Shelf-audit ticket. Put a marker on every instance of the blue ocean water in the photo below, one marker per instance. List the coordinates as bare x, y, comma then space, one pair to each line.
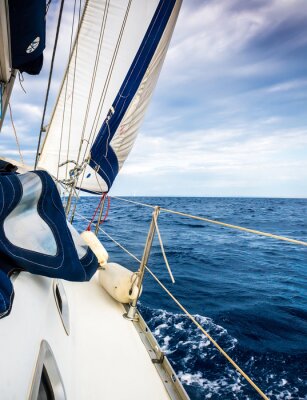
248, 291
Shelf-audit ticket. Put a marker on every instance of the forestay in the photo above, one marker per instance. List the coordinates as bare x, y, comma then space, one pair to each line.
113, 69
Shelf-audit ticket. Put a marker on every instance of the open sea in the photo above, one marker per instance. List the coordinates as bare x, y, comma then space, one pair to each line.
249, 292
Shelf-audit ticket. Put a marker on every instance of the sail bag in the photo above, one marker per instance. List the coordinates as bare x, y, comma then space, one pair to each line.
28, 34
35, 236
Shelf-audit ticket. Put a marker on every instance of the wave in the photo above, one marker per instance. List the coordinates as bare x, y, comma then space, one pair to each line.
205, 373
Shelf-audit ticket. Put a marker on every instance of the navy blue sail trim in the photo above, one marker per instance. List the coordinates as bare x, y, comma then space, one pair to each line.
102, 154
64, 264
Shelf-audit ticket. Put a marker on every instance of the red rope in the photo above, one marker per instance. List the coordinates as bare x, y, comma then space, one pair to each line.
107, 212
95, 212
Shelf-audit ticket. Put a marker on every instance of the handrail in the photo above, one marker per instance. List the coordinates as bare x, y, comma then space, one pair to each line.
197, 324
224, 224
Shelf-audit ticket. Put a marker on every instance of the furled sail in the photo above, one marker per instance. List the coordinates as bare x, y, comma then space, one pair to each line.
22, 42
27, 34
112, 71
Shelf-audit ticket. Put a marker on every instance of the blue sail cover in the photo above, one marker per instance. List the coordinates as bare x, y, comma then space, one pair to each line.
34, 234
28, 31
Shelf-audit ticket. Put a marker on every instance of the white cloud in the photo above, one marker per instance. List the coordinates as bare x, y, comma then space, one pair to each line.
213, 77
28, 111
235, 161
286, 86
212, 150
213, 39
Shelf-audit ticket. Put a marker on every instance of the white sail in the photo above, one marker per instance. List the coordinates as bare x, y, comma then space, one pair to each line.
115, 63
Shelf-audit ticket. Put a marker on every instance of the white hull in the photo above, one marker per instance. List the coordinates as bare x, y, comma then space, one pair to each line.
103, 356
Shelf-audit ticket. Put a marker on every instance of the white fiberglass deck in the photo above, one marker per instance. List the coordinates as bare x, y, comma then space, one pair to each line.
102, 358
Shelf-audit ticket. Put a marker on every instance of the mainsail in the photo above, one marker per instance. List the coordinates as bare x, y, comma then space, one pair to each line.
112, 71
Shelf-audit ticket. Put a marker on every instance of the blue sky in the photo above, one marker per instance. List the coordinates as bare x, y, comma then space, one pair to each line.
229, 114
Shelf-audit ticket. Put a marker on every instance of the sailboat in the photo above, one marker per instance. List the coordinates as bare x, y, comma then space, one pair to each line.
70, 326
66, 328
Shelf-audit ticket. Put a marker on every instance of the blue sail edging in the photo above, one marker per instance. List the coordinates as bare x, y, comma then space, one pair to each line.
103, 157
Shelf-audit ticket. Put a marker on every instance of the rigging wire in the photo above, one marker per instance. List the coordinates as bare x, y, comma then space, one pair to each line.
99, 47
15, 133
108, 79
73, 92
101, 36
64, 78
65, 94
49, 82
103, 94
224, 224
186, 312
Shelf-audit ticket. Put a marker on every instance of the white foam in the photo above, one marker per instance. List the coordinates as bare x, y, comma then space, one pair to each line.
179, 326
166, 341
193, 348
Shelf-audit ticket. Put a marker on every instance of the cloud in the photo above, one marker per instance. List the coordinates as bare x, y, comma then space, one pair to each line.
289, 85
214, 163
28, 111
219, 151
229, 113
217, 39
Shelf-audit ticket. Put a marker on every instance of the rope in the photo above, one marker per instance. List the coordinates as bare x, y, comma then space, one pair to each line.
16, 137
89, 100
108, 79
21, 80
104, 90
104, 195
101, 36
95, 212
162, 249
73, 91
134, 202
49, 82
65, 94
223, 352
224, 224
107, 212
64, 78
110, 237
190, 316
